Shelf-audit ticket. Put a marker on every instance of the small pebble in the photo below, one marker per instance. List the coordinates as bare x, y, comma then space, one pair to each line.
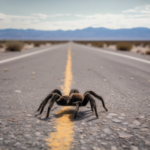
5, 69
95, 148
17, 91
107, 131
134, 148
141, 116
123, 115
121, 118
125, 123
82, 142
116, 120
124, 135
144, 129
113, 148
112, 114
136, 122
37, 133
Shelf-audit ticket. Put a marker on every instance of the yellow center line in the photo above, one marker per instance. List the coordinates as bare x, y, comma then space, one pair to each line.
62, 138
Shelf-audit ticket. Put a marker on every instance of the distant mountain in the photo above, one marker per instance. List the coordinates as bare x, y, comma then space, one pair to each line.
83, 34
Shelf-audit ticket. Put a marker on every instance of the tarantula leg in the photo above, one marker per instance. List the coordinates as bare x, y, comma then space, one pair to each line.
103, 103
77, 109
95, 108
55, 97
98, 97
88, 97
42, 105
44, 102
93, 102
91, 106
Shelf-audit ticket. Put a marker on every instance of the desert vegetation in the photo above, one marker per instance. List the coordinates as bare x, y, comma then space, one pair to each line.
14, 45
142, 47
124, 46
37, 44
20, 45
147, 52
1, 45
98, 44
134, 46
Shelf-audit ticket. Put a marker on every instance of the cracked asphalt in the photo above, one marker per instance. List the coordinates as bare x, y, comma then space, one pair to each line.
124, 84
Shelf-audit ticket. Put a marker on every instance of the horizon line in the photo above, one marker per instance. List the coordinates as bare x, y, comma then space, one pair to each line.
70, 30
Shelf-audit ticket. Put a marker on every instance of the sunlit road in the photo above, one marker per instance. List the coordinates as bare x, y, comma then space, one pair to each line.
123, 82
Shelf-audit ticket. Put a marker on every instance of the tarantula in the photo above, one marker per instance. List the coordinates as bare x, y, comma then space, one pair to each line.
74, 99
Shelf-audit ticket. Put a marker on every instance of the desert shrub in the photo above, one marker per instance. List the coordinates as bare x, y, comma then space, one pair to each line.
147, 52
107, 44
1, 45
28, 42
37, 44
14, 45
98, 44
146, 44
123, 46
4, 41
137, 43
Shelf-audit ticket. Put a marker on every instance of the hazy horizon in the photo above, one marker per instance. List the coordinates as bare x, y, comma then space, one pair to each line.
69, 29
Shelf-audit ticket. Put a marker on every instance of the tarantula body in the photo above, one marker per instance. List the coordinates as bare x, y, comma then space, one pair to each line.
74, 99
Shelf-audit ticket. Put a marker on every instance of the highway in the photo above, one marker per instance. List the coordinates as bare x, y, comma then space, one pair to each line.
123, 81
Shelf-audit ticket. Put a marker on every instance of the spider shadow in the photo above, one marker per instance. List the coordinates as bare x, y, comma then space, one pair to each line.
70, 112
84, 114
44, 119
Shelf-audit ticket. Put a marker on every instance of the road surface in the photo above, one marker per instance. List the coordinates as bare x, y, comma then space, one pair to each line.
124, 83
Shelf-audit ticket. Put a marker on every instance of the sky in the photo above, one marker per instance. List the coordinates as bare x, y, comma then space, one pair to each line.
74, 14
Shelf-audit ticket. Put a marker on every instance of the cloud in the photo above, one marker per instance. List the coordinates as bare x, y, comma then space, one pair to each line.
128, 11
40, 16
136, 17
15, 18
59, 15
77, 15
139, 10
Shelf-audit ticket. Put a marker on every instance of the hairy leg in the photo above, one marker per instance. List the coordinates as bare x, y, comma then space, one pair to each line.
91, 106
95, 108
98, 97
44, 102
77, 109
55, 97
87, 98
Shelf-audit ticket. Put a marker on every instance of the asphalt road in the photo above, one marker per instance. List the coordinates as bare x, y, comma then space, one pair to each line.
123, 82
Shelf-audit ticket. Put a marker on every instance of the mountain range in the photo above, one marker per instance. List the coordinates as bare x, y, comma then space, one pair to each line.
90, 33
